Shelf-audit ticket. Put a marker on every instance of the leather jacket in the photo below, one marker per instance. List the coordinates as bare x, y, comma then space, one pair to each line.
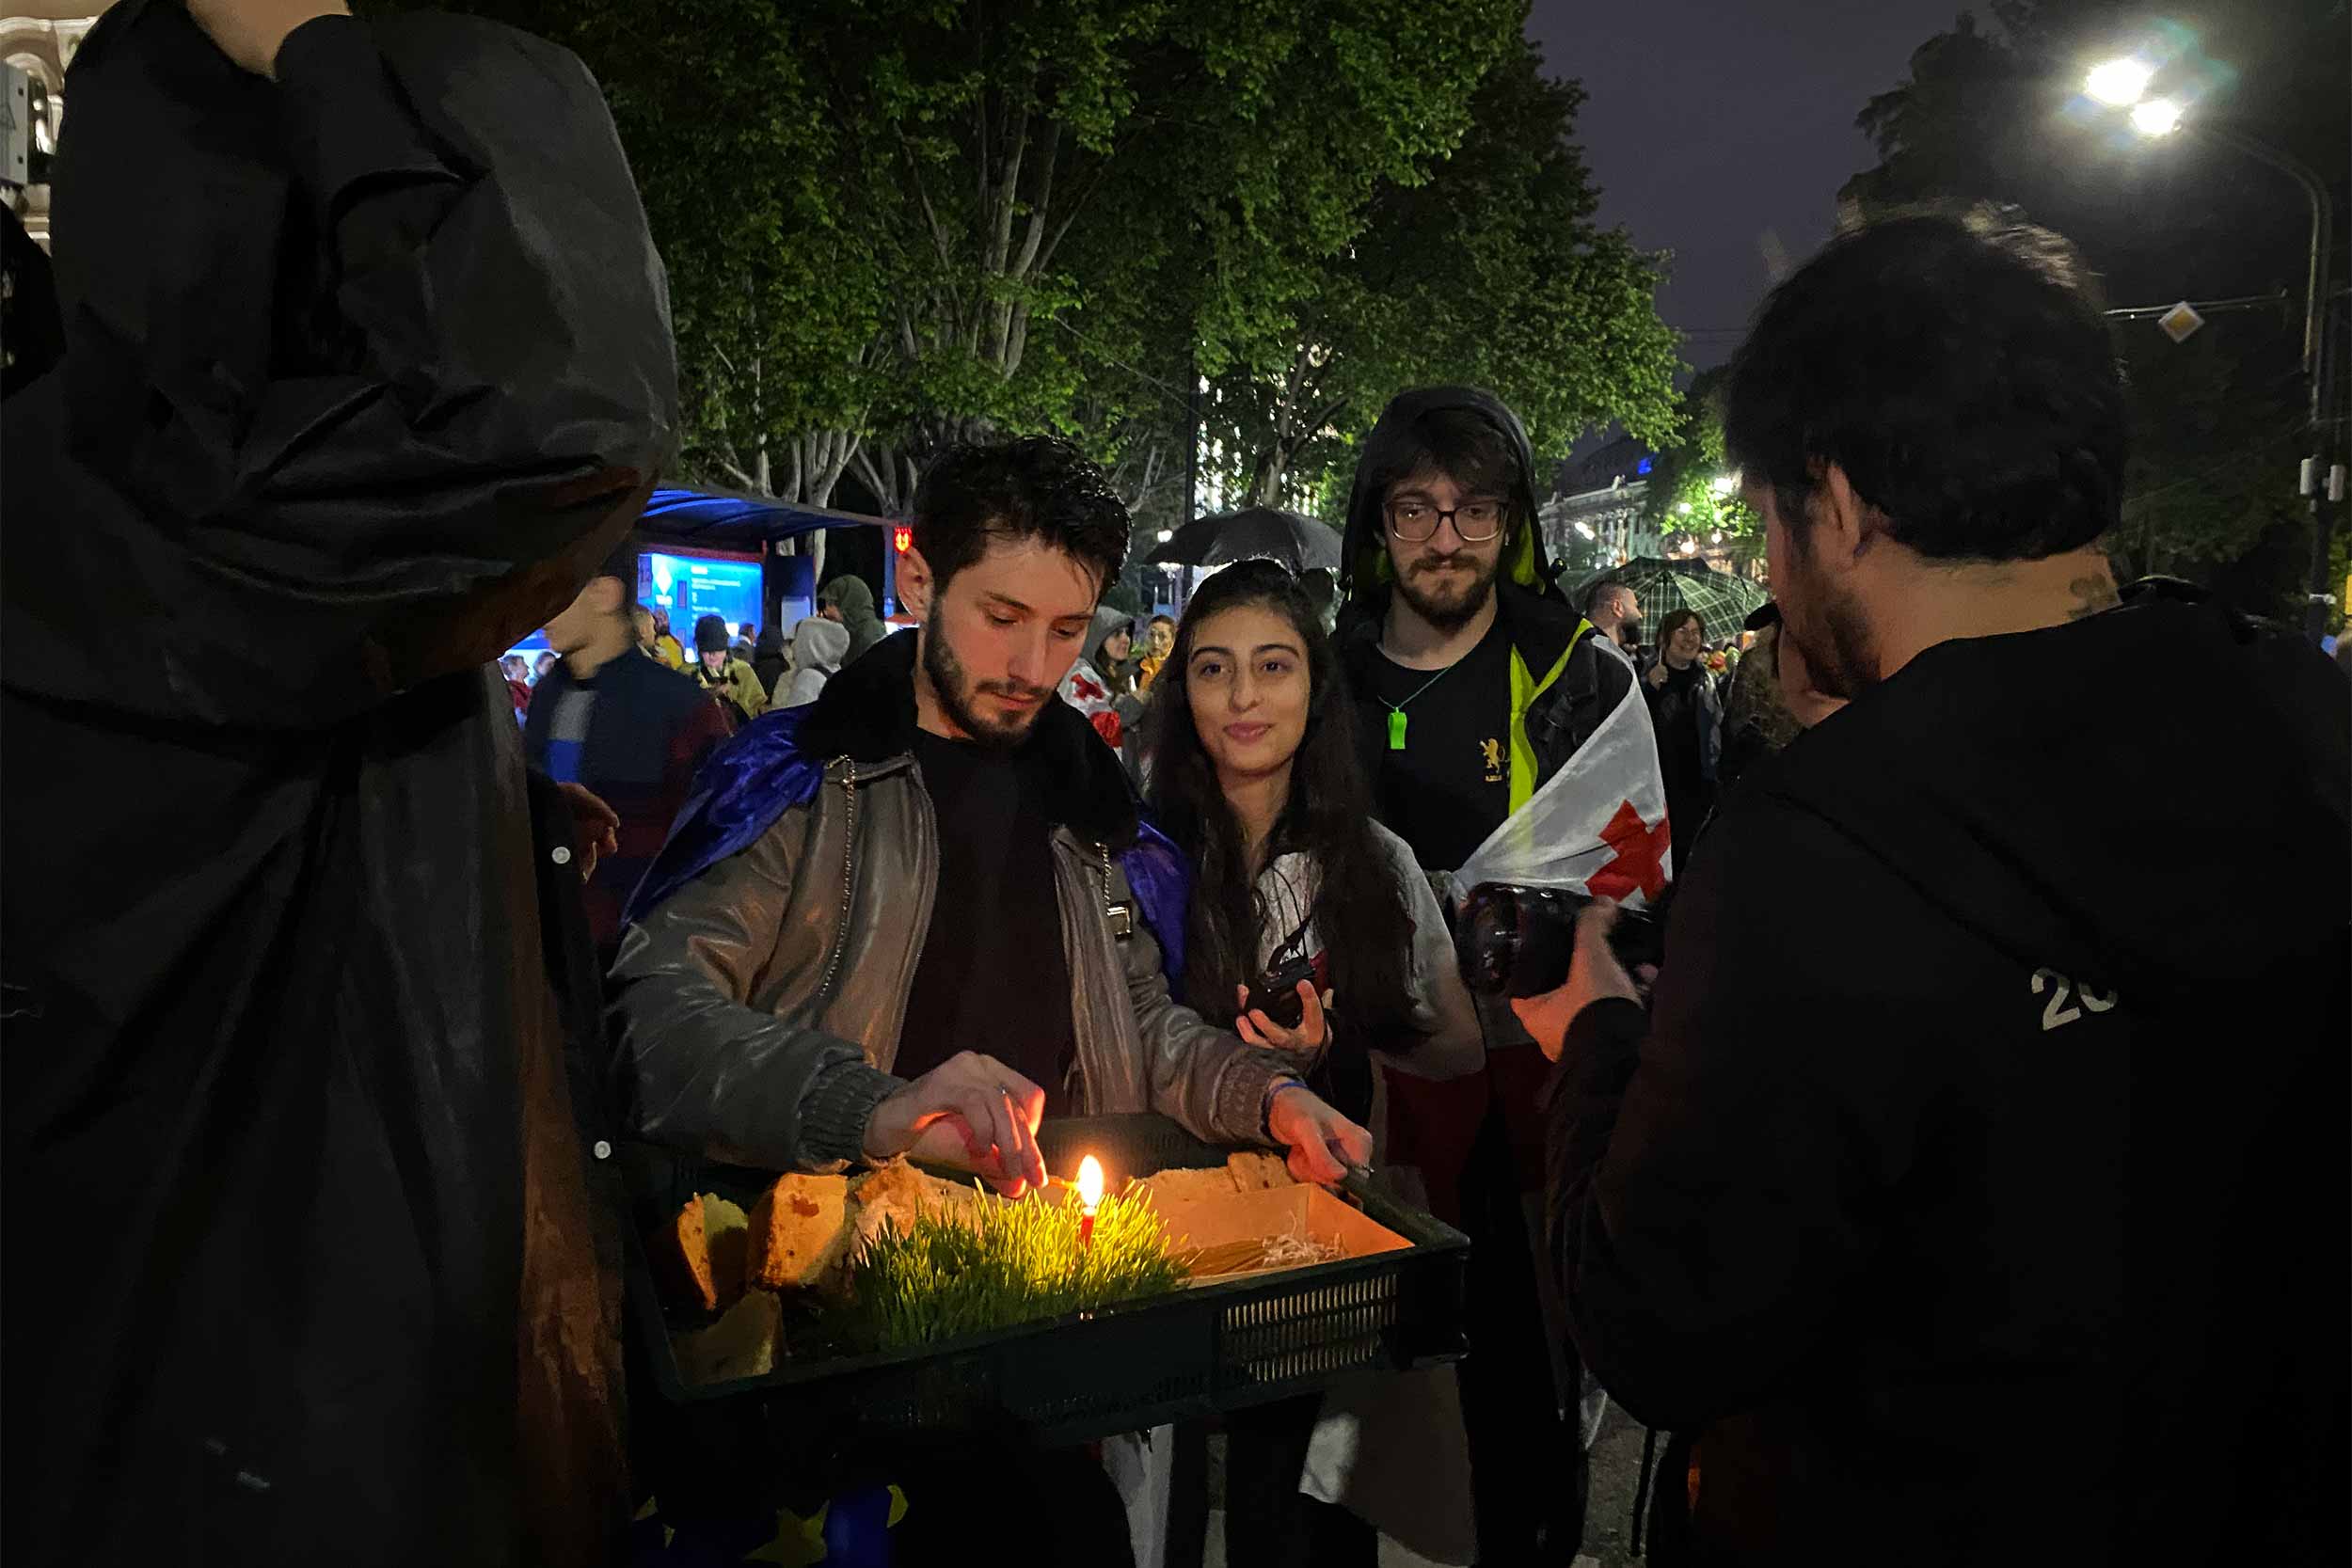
758, 1007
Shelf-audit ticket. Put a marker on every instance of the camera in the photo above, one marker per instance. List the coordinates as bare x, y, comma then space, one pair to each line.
1518, 941
1276, 992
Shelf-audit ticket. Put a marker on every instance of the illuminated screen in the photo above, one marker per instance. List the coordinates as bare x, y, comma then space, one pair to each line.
689, 586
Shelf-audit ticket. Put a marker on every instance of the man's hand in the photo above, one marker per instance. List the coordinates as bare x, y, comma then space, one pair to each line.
1593, 973
1311, 1036
1299, 1119
993, 1108
599, 826
250, 32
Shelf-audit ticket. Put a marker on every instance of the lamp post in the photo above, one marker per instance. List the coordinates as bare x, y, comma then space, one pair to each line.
2122, 84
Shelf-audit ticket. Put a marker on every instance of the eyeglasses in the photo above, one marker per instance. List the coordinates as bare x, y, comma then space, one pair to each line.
1413, 520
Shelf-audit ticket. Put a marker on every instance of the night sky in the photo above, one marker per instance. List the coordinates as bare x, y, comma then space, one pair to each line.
1709, 121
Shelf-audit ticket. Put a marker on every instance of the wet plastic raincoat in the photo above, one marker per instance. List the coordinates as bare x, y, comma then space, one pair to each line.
366, 371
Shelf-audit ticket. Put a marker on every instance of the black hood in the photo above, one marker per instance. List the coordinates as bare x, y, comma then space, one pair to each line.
2155, 794
1363, 554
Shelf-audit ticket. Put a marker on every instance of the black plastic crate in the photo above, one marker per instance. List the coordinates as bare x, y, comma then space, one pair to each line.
1193, 1352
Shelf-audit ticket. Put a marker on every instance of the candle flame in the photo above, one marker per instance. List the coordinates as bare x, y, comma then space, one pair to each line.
1089, 1182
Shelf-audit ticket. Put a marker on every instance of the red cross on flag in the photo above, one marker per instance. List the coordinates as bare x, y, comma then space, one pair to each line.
1599, 826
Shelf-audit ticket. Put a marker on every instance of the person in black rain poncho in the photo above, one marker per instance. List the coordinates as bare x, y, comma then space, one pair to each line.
367, 367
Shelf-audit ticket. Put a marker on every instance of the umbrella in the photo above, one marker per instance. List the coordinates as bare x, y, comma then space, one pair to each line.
1299, 543
1661, 585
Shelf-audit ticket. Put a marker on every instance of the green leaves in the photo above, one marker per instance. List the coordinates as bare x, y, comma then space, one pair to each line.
899, 222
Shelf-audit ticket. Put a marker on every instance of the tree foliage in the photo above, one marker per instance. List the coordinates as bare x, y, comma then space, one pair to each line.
1691, 483
894, 224
1491, 271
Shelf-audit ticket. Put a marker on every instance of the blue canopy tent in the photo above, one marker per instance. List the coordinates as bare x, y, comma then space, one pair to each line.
713, 519
732, 522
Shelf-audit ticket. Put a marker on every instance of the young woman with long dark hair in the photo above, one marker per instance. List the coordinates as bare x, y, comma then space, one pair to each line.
1254, 775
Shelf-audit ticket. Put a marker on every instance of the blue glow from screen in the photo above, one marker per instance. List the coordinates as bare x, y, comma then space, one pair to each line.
689, 586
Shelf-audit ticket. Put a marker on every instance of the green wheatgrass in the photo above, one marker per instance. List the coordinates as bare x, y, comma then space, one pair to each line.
1001, 1263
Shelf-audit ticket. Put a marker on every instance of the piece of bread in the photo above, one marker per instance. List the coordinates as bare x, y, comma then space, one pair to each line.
743, 1344
1191, 1186
1256, 1171
686, 1250
800, 1232
896, 1195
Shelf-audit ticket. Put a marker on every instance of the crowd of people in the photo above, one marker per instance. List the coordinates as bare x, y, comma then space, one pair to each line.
1963, 1184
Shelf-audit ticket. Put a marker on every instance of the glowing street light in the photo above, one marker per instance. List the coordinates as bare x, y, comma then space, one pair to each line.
1724, 484
2155, 117
1683, 507
2119, 83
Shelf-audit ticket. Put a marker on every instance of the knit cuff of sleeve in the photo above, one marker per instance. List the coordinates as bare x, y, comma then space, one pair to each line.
835, 1114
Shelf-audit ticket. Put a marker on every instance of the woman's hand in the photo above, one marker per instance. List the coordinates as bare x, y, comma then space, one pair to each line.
1312, 1033
1301, 1119
1656, 676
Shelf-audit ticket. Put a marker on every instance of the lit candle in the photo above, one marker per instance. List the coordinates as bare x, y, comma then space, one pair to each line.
1089, 1193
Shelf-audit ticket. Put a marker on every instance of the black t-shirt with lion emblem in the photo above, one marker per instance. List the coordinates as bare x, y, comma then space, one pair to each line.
1450, 786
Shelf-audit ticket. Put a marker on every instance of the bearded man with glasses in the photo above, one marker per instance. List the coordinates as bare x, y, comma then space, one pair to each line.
1474, 683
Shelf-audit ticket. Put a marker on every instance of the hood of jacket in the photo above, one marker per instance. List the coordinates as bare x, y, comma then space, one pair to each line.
1106, 623
819, 645
2153, 795
1364, 569
867, 713
849, 593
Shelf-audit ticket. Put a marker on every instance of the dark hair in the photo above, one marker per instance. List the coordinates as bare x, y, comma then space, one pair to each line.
1958, 368
1459, 443
1361, 912
622, 563
1040, 487
1163, 620
1673, 622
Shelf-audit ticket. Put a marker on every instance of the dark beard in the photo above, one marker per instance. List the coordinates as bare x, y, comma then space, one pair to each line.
1448, 614
954, 690
1831, 637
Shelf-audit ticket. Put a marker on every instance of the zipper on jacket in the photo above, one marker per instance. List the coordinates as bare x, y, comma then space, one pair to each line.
849, 884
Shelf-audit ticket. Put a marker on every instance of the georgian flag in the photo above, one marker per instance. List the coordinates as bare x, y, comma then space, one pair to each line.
1083, 689
1599, 826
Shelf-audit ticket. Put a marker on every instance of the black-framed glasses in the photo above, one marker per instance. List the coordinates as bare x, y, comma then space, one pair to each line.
1414, 520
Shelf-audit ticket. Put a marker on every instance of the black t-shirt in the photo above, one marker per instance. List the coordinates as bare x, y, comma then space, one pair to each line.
1450, 786
993, 976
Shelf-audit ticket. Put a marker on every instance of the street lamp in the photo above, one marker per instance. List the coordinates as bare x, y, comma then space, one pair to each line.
2155, 117
2123, 83
2120, 84
1724, 484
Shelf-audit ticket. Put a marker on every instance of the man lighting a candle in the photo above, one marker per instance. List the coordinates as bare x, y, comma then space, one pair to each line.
864, 929
921, 912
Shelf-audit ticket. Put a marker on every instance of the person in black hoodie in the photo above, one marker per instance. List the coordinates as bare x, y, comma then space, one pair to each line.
1975, 1192
1474, 683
